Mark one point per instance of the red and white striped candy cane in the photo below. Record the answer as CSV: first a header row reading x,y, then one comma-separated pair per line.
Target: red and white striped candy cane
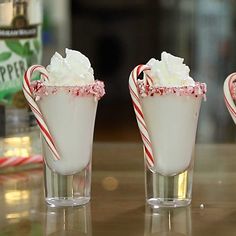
x,y
133,87
228,96
18,161
35,109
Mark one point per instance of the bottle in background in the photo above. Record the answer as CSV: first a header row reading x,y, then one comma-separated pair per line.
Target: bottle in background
x,y
20,47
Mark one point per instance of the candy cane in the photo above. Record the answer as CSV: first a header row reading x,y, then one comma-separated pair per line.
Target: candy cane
x,y
133,87
18,161
35,109
228,96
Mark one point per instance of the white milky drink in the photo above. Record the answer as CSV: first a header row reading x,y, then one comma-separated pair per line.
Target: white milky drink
x,y
71,120
170,104
65,103
172,122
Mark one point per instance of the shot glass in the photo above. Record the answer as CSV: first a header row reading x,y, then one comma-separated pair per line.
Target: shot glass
x,y
66,117
167,118
71,120
172,124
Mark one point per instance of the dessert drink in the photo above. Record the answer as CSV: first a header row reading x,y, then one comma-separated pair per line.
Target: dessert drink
x,y
167,103
64,102
71,121
172,124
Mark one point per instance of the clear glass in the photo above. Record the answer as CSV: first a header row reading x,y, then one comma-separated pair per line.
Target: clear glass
x,y
67,190
168,191
172,123
68,180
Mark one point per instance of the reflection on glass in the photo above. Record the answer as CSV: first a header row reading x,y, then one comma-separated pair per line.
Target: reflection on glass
x,y
68,221
182,185
168,222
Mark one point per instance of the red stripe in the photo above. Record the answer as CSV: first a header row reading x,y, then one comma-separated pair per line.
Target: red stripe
x,y
33,68
149,79
142,68
24,88
143,123
32,107
27,80
44,74
45,132
17,161
35,111
2,160
137,109
49,137
138,70
146,139
149,154
20,162
134,94
55,154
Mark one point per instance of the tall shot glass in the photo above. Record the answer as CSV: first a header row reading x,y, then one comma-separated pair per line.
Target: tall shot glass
x,y
71,120
66,117
167,118
172,122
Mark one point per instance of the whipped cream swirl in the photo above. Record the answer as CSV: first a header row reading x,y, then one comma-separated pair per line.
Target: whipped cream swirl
x,y
73,70
169,72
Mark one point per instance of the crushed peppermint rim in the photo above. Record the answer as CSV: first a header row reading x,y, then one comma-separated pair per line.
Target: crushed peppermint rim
x,y
233,90
199,90
95,89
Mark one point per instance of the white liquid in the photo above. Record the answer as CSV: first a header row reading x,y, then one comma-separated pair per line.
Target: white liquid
x,y
171,122
70,120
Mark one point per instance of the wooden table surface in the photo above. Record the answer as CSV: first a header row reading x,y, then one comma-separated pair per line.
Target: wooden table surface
x,y
118,205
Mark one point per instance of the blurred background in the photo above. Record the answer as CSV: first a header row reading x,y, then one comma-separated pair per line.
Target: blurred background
x,y
117,35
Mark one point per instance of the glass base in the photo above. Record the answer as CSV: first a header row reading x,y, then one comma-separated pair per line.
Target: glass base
x,y
65,202
67,190
168,202
168,191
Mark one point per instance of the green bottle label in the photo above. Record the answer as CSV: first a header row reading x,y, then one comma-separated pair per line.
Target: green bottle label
x,y
20,47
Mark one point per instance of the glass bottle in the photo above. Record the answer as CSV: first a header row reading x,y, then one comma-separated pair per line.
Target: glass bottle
x,y
20,47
